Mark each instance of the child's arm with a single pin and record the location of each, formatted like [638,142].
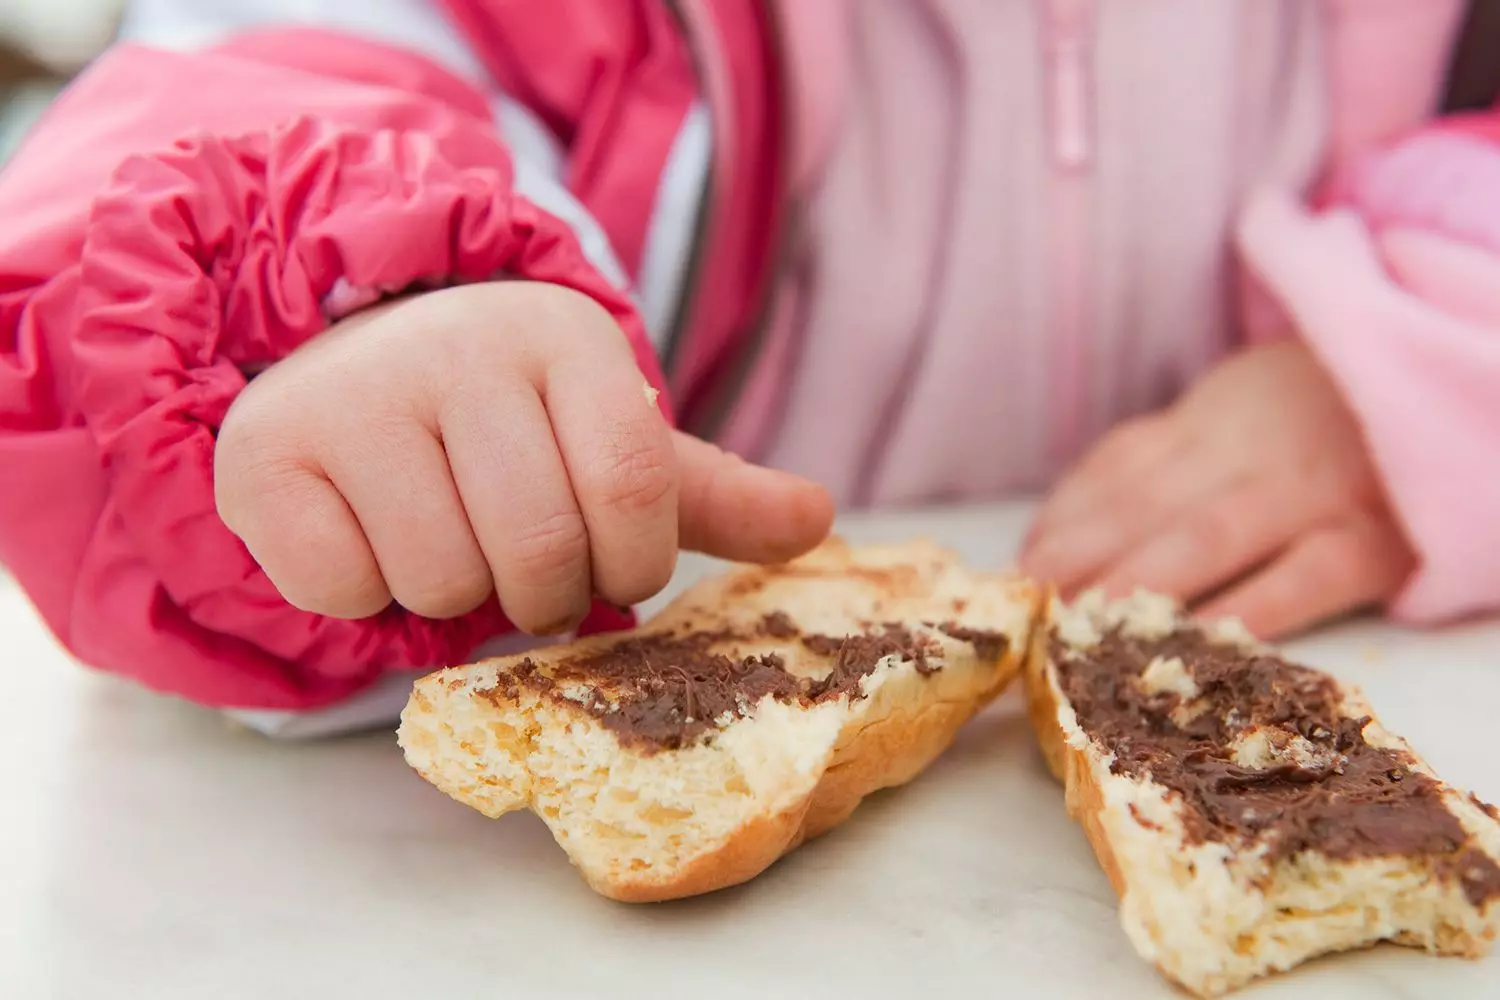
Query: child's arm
[1395,284]
[180,220]
[177,220]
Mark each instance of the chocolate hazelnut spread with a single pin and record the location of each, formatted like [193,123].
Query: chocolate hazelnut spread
[1262,753]
[988,644]
[778,625]
[855,656]
[668,691]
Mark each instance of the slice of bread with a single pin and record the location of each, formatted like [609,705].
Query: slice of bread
[753,713]
[1251,813]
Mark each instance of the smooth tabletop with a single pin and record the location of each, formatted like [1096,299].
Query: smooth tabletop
[150,849]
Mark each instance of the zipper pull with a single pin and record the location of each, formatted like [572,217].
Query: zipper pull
[1069,28]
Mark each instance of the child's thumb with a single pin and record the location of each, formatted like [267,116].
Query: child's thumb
[733,510]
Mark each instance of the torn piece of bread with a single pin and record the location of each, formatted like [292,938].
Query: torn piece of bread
[1251,813]
[753,713]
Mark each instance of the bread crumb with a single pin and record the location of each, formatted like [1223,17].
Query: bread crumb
[652,393]
[1076,625]
[1168,675]
[1267,747]
[1146,615]
[1231,632]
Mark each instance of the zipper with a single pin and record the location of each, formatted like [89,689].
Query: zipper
[1068,39]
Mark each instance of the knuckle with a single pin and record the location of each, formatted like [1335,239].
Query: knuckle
[633,473]
[551,550]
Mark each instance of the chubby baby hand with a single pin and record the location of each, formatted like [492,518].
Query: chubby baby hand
[1253,496]
[494,438]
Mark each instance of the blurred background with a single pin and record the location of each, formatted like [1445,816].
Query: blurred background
[42,44]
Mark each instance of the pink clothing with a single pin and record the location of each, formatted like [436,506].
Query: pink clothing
[1397,288]
[146,265]
[926,252]
[1022,292]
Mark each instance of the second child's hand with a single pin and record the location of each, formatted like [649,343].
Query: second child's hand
[1253,497]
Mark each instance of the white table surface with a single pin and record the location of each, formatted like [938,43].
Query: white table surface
[150,850]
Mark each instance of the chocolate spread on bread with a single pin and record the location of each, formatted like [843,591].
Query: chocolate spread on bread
[988,645]
[668,691]
[1259,751]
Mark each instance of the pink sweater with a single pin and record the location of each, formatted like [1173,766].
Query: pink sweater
[919,249]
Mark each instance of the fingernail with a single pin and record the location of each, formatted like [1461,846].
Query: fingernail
[561,627]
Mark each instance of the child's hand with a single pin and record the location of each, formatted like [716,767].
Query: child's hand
[489,437]
[1252,497]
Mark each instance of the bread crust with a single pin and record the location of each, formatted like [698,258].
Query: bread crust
[884,755]
[1069,764]
[804,776]
[1211,959]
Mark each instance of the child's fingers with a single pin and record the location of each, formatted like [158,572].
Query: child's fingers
[1129,452]
[734,510]
[1074,552]
[395,476]
[301,531]
[1212,544]
[618,451]
[520,503]
[1325,573]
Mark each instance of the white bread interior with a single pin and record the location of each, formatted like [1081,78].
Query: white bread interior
[653,826]
[1213,917]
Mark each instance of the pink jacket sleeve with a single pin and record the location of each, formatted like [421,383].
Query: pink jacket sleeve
[1395,283]
[175,221]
